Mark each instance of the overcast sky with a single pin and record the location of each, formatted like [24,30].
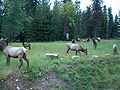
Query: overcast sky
[115,4]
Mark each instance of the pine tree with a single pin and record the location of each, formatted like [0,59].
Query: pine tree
[1,16]
[30,7]
[56,22]
[116,26]
[110,23]
[96,14]
[103,23]
[41,24]
[13,19]
[78,20]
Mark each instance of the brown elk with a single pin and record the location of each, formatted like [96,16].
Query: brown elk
[115,51]
[95,42]
[75,47]
[14,52]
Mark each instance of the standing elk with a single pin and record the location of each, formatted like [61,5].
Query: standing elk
[14,52]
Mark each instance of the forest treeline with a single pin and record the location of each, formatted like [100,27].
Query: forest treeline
[33,20]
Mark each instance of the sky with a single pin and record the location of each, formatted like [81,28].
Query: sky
[115,4]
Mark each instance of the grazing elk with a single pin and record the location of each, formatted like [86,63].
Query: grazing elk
[75,47]
[26,45]
[95,42]
[14,52]
[115,49]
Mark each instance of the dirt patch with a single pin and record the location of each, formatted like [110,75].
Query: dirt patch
[16,82]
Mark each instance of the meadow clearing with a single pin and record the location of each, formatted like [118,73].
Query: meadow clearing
[80,73]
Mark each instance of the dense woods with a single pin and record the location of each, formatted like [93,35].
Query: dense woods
[33,20]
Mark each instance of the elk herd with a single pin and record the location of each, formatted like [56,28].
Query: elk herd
[20,52]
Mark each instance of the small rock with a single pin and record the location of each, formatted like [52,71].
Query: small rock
[61,58]
[11,78]
[74,57]
[107,54]
[18,88]
[16,80]
[94,56]
[89,65]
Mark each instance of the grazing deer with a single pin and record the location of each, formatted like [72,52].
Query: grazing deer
[14,52]
[75,47]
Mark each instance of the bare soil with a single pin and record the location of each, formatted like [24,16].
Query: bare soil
[16,82]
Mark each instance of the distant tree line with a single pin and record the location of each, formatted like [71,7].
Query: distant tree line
[33,20]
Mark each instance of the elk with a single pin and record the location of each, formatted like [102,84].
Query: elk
[115,49]
[14,52]
[75,47]
[95,42]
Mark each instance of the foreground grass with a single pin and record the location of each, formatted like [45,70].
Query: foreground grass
[81,73]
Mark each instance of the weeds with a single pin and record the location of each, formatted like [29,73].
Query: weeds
[32,73]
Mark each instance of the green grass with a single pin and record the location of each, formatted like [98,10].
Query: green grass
[83,73]
[37,56]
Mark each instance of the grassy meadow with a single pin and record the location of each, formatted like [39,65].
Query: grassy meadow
[80,73]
